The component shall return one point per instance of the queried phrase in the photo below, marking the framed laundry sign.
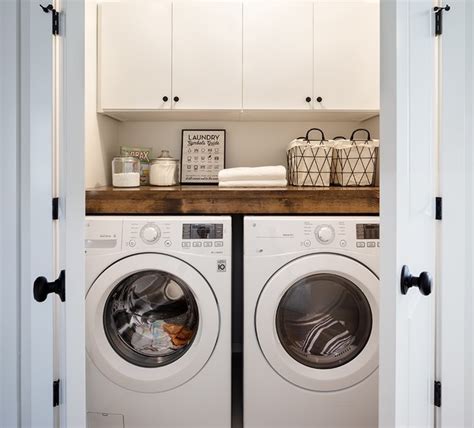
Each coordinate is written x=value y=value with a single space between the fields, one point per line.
x=202 y=155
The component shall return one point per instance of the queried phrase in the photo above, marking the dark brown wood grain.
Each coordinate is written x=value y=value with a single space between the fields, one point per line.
x=215 y=200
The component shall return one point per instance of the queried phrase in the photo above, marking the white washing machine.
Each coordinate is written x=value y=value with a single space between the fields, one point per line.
x=311 y=317
x=158 y=322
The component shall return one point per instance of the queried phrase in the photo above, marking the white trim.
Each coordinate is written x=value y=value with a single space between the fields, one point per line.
x=9 y=214
x=455 y=322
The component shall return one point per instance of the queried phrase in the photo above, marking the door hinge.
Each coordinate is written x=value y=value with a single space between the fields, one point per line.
x=55 y=208
x=437 y=393
x=439 y=18
x=56 y=393
x=439 y=209
x=54 y=17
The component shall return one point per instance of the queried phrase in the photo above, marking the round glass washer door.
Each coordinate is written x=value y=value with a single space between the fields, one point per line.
x=317 y=322
x=152 y=322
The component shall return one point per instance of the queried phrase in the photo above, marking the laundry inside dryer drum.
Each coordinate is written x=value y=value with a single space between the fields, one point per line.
x=324 y=321
x=151 y=318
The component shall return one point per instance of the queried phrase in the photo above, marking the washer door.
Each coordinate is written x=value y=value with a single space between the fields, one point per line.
x=152 y=322
x=317 y=322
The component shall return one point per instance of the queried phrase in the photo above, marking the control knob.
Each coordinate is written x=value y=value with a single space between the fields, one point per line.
x=150 y=233
x=324 y=234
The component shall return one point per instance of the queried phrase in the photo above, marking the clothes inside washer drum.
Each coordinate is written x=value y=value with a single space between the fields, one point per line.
x=328 y=337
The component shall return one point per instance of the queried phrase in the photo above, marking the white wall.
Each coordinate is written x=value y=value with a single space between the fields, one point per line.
x=9 y=214
x=101 y=131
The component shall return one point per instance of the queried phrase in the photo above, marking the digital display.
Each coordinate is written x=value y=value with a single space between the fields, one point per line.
x=368 y=231
x=203 y=231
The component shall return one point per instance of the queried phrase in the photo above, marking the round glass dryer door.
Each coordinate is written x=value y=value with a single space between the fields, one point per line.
x=317 y=322
x=152 y=322
x=151 y=318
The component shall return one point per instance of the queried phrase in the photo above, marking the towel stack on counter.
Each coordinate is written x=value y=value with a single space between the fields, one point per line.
x=263 y=176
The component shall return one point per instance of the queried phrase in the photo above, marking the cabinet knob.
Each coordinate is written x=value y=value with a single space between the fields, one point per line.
x=165 y=99
x=176 y=99
x=308 y=99
x=319 y=99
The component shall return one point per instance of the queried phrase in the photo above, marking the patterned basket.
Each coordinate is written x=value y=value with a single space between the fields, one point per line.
x=354 y=161
x=309 y=161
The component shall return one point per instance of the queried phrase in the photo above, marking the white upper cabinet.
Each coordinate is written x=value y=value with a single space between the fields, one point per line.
x=346 y=54
x=207 y=55
x=278 y=55
x=134 y=61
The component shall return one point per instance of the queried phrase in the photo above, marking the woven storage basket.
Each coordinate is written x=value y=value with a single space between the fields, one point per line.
x=309 y=161
x=354 y=161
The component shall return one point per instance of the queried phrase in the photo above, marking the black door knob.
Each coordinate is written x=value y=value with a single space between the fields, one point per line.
x=423 y=282
x=41 y=287
x=176 y=99
x=308 y=99
x=319 y=99
x=165 y=99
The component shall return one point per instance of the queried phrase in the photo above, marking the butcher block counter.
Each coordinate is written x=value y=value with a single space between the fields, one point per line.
x=214 y=200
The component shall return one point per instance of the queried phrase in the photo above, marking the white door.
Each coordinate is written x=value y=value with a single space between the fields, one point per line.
x=408 y=122
x=346 y=54
x=207 y=55
x=134 y=55
x=52 y=124
x=278 y=55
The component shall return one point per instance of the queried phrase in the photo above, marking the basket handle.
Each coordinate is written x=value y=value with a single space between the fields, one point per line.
x=315 y=129
x=363 y=130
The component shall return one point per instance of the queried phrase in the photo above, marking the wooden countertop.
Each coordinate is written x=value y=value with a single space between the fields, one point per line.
x=214 y=200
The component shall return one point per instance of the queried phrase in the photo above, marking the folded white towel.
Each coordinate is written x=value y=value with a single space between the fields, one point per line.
x=255 y=173
x=253 y=183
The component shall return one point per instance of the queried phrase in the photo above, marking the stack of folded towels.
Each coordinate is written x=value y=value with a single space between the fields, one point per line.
x=263 y=176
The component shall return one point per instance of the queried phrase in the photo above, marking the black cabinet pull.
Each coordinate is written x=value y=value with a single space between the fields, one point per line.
x=423 y=282
x=319 y=99
x=165 y=99
x=176 y=99
x=308 y=99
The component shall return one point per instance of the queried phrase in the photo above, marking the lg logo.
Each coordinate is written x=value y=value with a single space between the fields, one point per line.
x=221 y=265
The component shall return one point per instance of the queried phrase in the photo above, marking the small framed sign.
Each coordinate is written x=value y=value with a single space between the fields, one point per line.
x=202 y=155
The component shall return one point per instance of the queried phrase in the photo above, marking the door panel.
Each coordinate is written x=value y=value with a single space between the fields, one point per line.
x=207 y=55
x=134 y=55
x=278 y=55
x=407 y=214
x=346 y=54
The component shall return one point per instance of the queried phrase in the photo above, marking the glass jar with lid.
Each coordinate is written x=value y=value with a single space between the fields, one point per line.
x=126 y=171
x=164 y=170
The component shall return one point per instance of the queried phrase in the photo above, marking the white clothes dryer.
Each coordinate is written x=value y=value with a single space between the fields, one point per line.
x=311 y=316
x=158 y=321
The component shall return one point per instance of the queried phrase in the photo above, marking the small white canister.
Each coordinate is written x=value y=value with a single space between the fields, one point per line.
x=164 y=170
x=125 y=172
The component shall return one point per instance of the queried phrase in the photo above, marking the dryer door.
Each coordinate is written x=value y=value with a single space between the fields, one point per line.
x=317 y=322
x=152 y=322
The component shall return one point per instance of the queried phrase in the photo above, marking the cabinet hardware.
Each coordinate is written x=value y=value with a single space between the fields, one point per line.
x=308 y=99
x=437 y=393
x=165 y=99
x=319 y=99
x=176 y=99
x=439 y=209
x=56 y=393
x=55 y=213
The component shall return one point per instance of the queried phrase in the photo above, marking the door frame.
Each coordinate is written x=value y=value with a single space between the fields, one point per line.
x=455 y=298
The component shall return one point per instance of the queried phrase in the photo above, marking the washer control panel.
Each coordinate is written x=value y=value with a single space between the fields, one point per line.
x=191 y=234
x=281 y=235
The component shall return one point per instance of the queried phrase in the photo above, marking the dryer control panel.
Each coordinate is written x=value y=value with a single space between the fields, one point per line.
x=282 y=235
x=197 y=235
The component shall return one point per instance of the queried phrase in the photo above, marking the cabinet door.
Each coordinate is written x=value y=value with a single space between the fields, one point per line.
x=134 y=65
x=278 y=55
x=346 y=57
x=207 y=55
